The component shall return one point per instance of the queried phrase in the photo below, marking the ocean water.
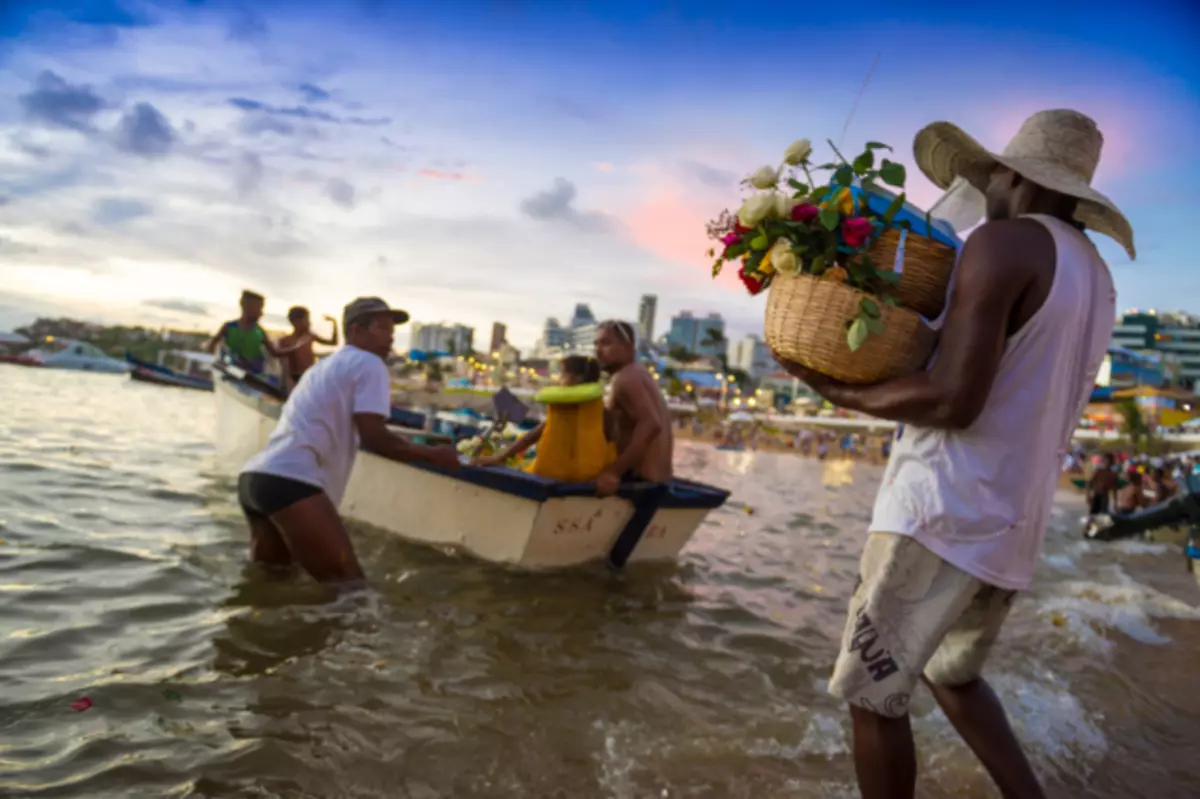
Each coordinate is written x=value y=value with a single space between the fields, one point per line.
x=125 y=590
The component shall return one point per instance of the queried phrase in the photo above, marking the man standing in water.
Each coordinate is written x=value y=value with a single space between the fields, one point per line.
x=967 y=493
x=244 y=339
x=291 y=490
x=641 y=421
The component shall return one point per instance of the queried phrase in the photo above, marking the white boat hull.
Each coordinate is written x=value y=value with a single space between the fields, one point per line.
x=515 y=524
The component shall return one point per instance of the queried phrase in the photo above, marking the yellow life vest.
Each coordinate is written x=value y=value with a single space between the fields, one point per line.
x=573 y=447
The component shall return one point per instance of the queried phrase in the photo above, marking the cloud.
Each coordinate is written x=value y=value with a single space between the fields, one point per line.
x=603 y=166
x=58 y=104
x=248 y=173
x=301 y=112
x=436 y=174
x=313 y=93
x=10 y=247
x=258 y=124
x=246 y=25
x=709 y=176
x=557 y=204
x=181 y=306
x=144 y=131
x=341 y=192
x=116 y=210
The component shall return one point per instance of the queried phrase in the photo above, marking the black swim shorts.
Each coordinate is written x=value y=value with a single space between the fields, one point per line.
x=267 y=494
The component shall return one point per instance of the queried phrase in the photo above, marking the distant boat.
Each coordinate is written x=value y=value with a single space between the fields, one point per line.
x=76 y=355
x=194 y=372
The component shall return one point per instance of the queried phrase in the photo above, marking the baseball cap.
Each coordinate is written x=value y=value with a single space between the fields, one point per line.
x=368 y=306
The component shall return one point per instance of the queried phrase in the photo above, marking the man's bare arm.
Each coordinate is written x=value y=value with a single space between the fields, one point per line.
x=517 y=447
x=333 y=337
x=635 y=399
x=280 y=351
x=211 y=345
x=993 y=274
x=375 y=437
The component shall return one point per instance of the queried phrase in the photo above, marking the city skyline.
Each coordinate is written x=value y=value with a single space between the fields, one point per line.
x=147 y=182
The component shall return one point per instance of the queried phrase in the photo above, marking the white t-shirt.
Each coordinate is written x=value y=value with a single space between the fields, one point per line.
x=316 y=441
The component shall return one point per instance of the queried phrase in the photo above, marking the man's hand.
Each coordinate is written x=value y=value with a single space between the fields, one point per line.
x=330 y=319
x=444 y=457
x=827 y=387
x=490 y=460
x=607 y=483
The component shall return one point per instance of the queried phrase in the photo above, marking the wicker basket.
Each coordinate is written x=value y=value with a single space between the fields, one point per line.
x=806 y=322
x=926 y=273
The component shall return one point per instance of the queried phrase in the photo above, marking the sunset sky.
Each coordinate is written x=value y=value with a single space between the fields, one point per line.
x=484 y=161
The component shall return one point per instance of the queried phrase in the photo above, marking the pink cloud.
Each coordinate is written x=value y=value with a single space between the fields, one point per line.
x=459 y=177
x=603 y=166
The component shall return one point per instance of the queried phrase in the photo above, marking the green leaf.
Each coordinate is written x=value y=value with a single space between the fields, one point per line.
x=759 y=242
x=890 y=301
x=820 y=193
x=801 y=188
x=829 y=218
x=856 y=336
x=736 y=250
x=892 y=173
x=818 y=265
x=864 y=162
x=828 y=166
x=894 y=208
x=717 y=266
x=889 y=276
x=878 y=145
x=844 y=176
x=869 y=307
x=875 y=326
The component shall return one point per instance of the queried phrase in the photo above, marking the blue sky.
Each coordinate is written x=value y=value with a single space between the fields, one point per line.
x=502 y=160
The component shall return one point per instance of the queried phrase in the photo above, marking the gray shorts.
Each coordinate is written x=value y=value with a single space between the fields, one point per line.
x=912 y=614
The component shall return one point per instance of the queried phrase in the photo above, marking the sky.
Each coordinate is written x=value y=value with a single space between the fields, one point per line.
x=503 y=160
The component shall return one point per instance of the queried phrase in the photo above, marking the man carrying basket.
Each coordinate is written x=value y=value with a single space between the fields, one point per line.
x=960 y=518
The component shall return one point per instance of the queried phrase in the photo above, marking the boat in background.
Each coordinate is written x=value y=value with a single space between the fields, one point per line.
x=194 y=372
x=499 y=515
x=77 y=355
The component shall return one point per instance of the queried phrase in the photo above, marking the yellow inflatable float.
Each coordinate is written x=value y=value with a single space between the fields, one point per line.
x=573 y=447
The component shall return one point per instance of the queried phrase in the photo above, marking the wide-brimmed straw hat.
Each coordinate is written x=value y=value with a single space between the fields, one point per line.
x=1055 y=149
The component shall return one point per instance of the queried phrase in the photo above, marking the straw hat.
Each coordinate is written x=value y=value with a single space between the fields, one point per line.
x=1055 y=149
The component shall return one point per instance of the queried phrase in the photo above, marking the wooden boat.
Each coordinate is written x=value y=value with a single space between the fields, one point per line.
x=499 y=515
x=195 y=374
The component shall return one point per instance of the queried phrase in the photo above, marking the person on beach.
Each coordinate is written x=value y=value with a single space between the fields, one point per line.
x=576 y=370
x=1132 y=495
x=290 y=491
x=243 y=338
x=641 y=422
x=966 y=496
x=299 y=343
x=1102 y=486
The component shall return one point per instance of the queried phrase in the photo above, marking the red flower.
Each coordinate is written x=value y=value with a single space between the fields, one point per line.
x=730 y=239
x=856 y=231
x=738 y=227
x=805 y=213
x=753 y=284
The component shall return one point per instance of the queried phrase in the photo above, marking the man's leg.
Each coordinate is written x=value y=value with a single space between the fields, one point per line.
x=906 y=600
x=969 y=702
x=318 y=540
x=267 y=547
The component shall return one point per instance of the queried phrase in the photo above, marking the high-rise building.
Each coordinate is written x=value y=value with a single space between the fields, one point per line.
x=445 y=339
x=499 y=336
x=1173 y=335
x=582 y=316
x=698 y=336
x=752 y=355
x=645 y=319
x=553 y=335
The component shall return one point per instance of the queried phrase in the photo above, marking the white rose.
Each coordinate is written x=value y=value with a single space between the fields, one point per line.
x=756 y=208
x=797 y=152
x=784 y=205
x=765 y=178
x=783 y=259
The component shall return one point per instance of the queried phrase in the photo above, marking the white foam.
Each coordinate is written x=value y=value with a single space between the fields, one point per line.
x=825 y=736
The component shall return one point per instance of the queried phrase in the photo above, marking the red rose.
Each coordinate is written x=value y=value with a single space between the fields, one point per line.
x=752 y=283
x=805 y=213
x=856 y=231
x=738 y=227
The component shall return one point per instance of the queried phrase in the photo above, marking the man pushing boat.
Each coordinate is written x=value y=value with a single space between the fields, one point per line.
x=290 y=491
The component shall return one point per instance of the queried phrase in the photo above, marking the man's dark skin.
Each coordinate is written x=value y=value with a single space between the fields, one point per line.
x=1104 y=481
x=1004 y=276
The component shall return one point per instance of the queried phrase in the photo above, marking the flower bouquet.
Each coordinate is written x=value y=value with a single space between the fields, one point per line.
x=853 y=269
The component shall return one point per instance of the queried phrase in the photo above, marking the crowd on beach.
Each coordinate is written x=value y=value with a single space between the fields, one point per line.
x=1119 y=482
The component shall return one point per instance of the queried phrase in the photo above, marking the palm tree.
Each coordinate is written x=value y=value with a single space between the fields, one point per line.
x=1134 y=427
x=715 y=339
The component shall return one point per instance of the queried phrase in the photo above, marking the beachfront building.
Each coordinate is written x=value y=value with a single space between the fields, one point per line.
x=752 y=355
x=698 y=335
x=1174 y=337
x=442 y=339
x=645 y=318
x=499 y=336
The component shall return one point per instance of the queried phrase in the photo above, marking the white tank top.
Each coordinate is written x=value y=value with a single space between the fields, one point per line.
x=980 y=498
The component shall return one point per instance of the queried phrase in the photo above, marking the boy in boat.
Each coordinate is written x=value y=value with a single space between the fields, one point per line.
x=299 y=343
x=290 y=491
x=577 y=370
x=641 y=421
x=244 y=339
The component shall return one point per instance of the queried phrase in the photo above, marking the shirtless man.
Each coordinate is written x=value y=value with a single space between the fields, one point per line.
x=641 y=422
x=1102 y=486
x=299 y=343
